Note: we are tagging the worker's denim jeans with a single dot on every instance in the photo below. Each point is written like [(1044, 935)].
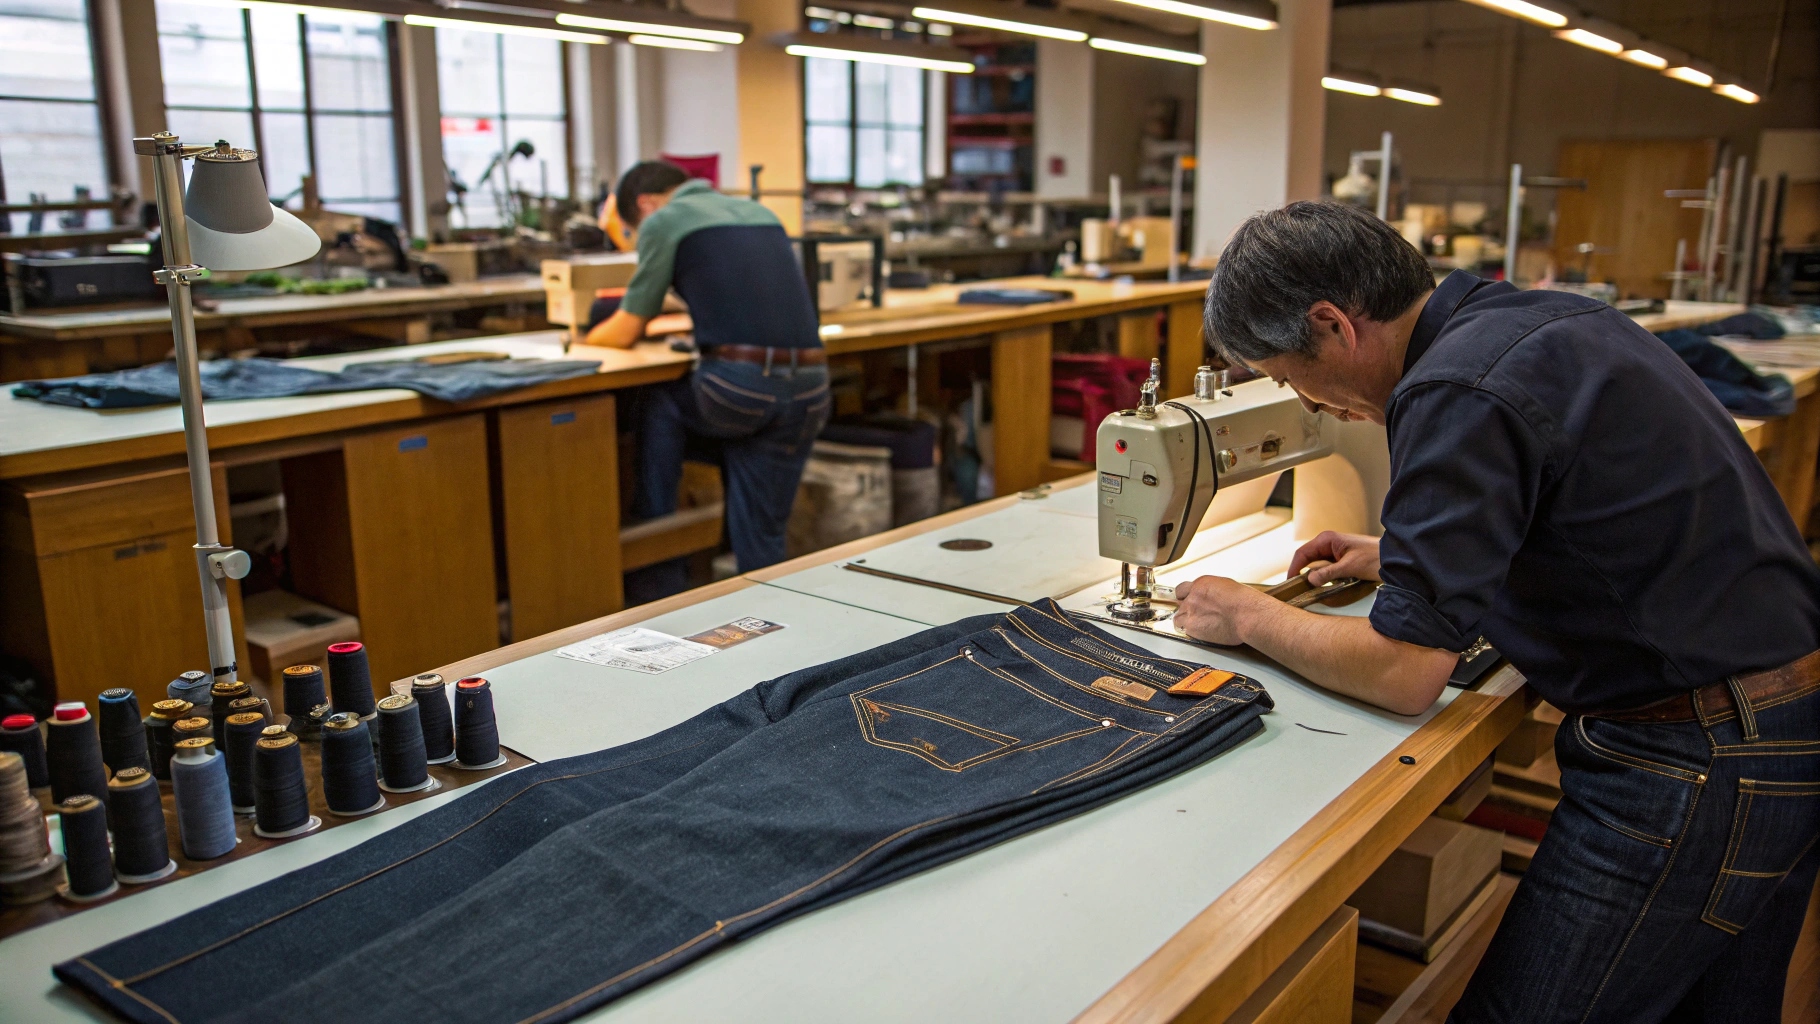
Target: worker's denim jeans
[(564, 885), (1673, 879), (763, 423)]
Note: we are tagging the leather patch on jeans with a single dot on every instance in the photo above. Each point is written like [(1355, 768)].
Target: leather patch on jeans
[(1123, 688), (1201, 682)]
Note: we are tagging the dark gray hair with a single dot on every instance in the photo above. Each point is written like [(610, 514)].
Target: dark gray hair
[(1281, 262)]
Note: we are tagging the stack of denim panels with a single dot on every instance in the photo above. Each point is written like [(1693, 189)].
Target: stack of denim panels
[(562, 886)]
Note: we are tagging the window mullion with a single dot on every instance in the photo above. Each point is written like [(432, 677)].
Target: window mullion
[(252, 84), (309, 102)]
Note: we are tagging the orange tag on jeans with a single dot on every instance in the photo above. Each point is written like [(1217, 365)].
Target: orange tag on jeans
[(1201, 682)]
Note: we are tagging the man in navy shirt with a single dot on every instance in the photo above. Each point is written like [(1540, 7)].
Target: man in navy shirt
[(760, 391), (1564, 487)]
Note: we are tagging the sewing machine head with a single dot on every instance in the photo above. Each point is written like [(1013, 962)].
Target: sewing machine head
[(1161, 464)]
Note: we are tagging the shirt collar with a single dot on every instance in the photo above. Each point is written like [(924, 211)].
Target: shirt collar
[(692, 186), (1439, 309)]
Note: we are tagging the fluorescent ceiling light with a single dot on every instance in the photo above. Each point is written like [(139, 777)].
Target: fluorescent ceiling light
[(1692, 76), (672, 43), (653, 28), (1527, 11), (1338, 84), (265, 5), (1002, 24), (1645, 58), (1736, 92), (504, 30), (1140, 50), (1224, 17), (871, 21), (1592, 41), (869, 57), (1416, 96)]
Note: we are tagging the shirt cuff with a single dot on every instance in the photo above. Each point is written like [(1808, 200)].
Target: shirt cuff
[(637, 304), (1401, 615)]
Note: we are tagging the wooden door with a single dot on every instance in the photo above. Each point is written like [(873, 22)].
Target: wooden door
[(1623, 209)]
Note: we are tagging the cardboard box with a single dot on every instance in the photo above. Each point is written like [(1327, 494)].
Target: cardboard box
[(569, 284), (460, 260), (1534, 736), (283, 629), (1430, 877)]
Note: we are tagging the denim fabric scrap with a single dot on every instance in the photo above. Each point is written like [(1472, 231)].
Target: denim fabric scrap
[(1730, 379), (564, 885), (227, 379)]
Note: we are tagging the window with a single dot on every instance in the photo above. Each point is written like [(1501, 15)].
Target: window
[(864, 123), (311, 92), (50, 124), (499, 91)]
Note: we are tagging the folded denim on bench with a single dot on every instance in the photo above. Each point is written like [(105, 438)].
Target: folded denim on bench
[(564, 885)]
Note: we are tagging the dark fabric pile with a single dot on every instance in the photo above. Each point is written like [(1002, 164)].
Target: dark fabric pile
[(225, 379), (1731, 380)]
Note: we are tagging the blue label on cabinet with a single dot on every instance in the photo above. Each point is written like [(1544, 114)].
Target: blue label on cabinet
[(413, 443), (557, 419)]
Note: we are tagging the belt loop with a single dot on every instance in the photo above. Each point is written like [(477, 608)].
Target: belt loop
[(793, 355), (769, 352), (1747, 718)]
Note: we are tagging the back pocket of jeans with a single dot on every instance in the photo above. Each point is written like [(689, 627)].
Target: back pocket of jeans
[(728, 406), (1773, 826), (942, 741)]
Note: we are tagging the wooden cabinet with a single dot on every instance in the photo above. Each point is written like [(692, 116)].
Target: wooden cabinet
[(100, 584)]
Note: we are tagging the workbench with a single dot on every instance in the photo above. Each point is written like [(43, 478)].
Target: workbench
[(1790, 446), (48, 343), (1215, 895), (402, 511)]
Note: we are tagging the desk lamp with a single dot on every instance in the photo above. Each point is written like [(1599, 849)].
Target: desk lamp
[(230, 224)]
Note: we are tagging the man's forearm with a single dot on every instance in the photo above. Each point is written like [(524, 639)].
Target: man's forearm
[(621, 330), (1345, 654)]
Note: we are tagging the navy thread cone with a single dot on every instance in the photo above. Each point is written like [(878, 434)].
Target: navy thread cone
[(142, 849), (350, 779), (19, 734), (89, 863), (476, 730), (72, 749), (279, 793), (403, 765), (432, 697), (303, 690), (350, 679), (122, 730)]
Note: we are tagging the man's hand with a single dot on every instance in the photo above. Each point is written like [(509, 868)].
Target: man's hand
[(1352, 555), (1212, 609), (621, 330)]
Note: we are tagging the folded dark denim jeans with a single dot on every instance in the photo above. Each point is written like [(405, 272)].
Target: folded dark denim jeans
[(562, 886)]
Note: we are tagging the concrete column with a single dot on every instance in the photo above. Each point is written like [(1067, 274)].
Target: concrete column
[(639, 106), (1263, 119), (420, 108), (137, 23), (1064, 119), (770, 84), (593, 95)]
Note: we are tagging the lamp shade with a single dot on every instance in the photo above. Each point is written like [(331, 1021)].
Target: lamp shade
[(232, 222)]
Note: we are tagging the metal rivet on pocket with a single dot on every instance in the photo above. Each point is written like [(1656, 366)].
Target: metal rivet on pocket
[(1105, 721), (1701, 779), (1168, 718), (968, 651)]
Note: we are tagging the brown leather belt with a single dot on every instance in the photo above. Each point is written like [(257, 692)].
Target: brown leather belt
[(765, 355), (1739, 696)]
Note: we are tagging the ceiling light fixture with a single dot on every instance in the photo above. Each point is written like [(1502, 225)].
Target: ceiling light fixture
[(1736, 92), (1590, 40), (1259, 21), (1692, 76), (1527, 11), (673, 43), (709, 35), (1420, 97), (1340, 83), (1002, 24), (1645, 58), (870, 57), (423, 21), (1140, 50)]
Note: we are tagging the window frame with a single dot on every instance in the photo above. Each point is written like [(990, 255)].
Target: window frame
[(104, 120), (853, 127), (504, 115)]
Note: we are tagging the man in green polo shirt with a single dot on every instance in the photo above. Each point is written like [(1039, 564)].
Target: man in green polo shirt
[(760, 390)]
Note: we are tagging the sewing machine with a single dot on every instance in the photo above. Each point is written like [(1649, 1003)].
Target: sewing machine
[(1161, 465)]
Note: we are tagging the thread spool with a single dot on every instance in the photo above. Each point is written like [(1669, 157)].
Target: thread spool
[(192, 686), (221, 695), (432, 697), (19, 734), (256, 705), (142, 847), (282, 800), (190, 728), (350, 780), (90, 864), (28, 869), (72, 751), (122, 730), (403, 765), (205, 809), (350, 680), (302, 691), (476, 730), (242, 736), (160, 734)]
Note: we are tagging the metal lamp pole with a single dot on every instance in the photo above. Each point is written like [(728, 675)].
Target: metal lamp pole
[(216, 563)]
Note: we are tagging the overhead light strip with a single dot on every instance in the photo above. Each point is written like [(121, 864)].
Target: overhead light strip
[(1140, 50), (673, 43), (1639, 55), (1337, 83), (1736, 92), (268, 5), (1419, 97), (709, 35), (503, 29), (1645, 58), (1590, 40), (871, 57), (1224, 17), (1527, 11), (1002, 24), (1692, 76)]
